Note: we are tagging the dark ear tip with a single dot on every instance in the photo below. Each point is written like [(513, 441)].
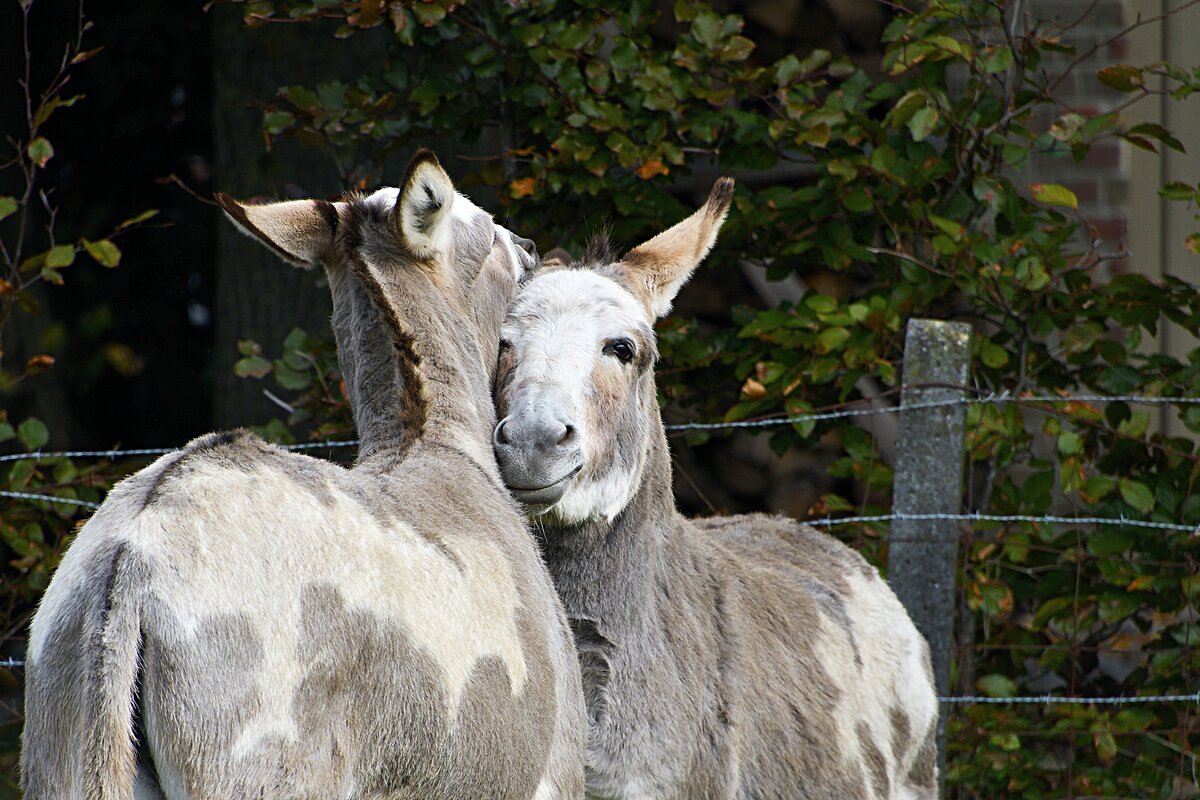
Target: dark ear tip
[(225, 201), (557, 257), (721, 195), (423, 155)]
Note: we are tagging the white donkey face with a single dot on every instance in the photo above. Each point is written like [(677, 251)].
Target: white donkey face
[(573, 391), (575, 385)]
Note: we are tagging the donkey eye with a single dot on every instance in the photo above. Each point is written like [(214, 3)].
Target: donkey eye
[(621, 349)]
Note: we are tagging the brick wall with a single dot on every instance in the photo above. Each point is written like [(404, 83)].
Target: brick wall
[(1101, 181)]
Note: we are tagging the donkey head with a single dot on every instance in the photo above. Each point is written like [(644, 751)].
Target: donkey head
[(421, 278), (575, 386)]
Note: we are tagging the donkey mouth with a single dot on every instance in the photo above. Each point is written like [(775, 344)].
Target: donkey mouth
[(544, 495)]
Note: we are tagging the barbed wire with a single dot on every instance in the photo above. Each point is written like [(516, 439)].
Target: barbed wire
[(1002, 397), (994, 398), (49, 498), (16, 663), (38, 455), (832, 521), (1058, 699), (975, 517)]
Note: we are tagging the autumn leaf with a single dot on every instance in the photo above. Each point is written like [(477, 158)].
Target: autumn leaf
[(753, 390), (651, 168), (522, 187)]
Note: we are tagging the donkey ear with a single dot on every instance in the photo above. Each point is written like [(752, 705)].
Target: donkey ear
[(423, 205), (556, 259), (658, 268), (299, 231)]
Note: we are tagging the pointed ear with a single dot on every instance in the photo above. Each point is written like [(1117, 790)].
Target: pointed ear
[(423, 205), (556, 259), (299, 231), (657, 269)]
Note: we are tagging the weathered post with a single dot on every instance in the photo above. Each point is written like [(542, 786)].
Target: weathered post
[(923, 554)]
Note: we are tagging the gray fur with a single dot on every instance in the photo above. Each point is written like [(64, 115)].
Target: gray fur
[(732, 657), (242, 609)]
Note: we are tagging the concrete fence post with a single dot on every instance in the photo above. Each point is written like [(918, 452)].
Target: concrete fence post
[(923, 554)]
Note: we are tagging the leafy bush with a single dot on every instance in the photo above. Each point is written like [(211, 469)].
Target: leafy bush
[(913, 196)]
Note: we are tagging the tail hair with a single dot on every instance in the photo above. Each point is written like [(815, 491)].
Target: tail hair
[(82, 676)]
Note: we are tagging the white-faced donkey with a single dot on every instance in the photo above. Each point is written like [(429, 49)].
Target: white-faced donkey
[(736, 657), (238, 621)]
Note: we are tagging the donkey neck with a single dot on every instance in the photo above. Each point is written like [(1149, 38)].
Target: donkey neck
[(403, 390), (608, 571)]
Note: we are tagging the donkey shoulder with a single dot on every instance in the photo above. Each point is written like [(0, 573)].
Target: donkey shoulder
[(770, 539), (210, 458)]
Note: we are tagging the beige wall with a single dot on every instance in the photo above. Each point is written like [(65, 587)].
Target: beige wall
[(1157, 228)]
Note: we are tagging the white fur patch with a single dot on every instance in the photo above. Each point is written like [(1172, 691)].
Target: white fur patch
[(892, 675), (456, 617), (558, 327)]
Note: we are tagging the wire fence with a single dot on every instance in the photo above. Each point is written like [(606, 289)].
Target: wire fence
[(14, 663), (828, 522)]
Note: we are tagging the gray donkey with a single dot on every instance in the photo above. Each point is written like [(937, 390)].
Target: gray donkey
[(238, 621), (735, 657)]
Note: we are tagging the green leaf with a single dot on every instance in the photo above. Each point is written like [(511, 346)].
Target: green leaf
[(33, 433), (787, 69), (1122, 77), (8, 206), (1054, 194), (998, 60), (1106, 746), (831, 339), (1070, 443), (996, 685), (428, 14), (1109, 541), (1097, 487), (1154, 131), (922, 123), (275, 122), (104, 252), (40, 151), (252, 367), (291, 379), (1135, 426), (948, 226), (1136, 494), (61, 255), (821, 303), (993, 355), (140, 218), (1177, 190), (6, 432)]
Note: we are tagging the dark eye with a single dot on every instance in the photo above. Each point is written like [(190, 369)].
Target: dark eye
[(621, 349)]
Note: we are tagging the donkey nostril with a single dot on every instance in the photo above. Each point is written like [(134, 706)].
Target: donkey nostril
[(568, 435), (500, 437)]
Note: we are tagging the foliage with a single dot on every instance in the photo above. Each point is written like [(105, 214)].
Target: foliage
[(913, 196), (307, 365), (33, 261)]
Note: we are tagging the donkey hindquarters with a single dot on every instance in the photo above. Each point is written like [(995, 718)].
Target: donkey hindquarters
[(240, 622), (745, 657)]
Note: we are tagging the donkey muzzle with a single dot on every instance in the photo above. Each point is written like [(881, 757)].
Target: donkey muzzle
[(539, 454)]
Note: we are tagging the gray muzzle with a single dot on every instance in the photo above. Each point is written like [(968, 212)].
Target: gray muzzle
[(539, 453)]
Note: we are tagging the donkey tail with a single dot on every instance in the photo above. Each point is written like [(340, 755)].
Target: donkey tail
[(82, 674)]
